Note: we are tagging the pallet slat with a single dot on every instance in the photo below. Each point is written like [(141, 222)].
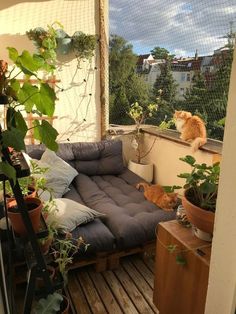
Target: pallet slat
[(142, 285), (125, 303), (105, 293), (77, 296), (134, 294), (147, 274), (91, 293)]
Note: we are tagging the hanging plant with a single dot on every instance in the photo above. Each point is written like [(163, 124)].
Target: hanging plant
[(83, 45), (55, 41)]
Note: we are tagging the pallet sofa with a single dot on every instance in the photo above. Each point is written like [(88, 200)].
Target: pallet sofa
[(107, 186)]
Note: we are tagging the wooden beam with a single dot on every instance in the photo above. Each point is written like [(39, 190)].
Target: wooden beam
[(103, 68)]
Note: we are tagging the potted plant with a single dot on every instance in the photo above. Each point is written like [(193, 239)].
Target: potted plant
[(139, 114), (38, 98), (200, 195), (54, 40), (49, 210), (33, 206), (64, 249)]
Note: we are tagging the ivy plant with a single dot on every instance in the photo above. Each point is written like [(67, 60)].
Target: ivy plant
[(201, 183)]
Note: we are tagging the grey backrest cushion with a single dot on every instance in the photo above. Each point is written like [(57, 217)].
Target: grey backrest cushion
[(96, 158)]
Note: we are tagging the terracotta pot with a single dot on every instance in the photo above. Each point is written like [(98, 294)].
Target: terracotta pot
[(32, 192), (145, 171), (200, 218), (34, 214)]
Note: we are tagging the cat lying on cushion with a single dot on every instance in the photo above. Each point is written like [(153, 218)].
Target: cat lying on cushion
[(192, 128), (157, 195)]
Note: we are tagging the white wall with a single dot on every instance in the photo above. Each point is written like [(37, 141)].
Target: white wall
[(74, 104), (221, 297), (165, 155)]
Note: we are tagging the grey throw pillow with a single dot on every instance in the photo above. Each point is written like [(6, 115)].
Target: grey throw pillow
[(71, 214)]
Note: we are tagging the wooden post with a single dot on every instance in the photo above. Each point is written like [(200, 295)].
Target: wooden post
[(103, 68)]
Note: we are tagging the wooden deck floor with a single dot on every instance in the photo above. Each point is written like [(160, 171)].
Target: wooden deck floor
[(129, 289)]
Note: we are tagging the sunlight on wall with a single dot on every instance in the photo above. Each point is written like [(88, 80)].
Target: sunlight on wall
[(78, 106)]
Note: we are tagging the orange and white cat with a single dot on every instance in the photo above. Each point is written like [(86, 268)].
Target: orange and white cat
[(192, 128), (157, 195)]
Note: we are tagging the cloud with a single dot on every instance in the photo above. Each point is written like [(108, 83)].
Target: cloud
[(177, 25)]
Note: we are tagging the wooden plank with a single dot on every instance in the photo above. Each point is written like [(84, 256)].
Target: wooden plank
[(142, 268), (141, 284), (123, 299), (134, 294), (150, 263), (77, 296), (90, 291), (105, 293)]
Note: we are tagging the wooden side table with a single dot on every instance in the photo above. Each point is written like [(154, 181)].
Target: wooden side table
[(180, 289)]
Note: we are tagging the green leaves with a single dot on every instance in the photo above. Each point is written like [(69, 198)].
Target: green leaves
[(46, 134), (171, 189), (8, 170), (13, 53), (202, 183), (13, 138), (45, 100), (49, 305), (189, 160), (27, 95), (180, 260), (20, 123), (43, 97)]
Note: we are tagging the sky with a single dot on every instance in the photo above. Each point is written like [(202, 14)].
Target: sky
[(177, 25)]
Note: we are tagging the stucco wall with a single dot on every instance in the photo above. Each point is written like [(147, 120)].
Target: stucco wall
[(221, 297), (78, 112), (165, 155)]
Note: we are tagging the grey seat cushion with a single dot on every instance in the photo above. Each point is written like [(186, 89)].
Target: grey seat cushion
[(96, 158), (94, 233), (129, 216), (105, 185)]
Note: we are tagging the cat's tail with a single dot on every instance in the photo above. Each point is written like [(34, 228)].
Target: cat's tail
[(198, 142), (142, 184)]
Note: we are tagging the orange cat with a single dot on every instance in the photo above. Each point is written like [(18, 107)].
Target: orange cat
[(157, 195), (192, 128)]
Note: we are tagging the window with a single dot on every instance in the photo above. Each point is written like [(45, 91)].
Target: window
[(188, 77)]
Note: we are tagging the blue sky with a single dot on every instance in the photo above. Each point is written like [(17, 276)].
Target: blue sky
[(177, 25)]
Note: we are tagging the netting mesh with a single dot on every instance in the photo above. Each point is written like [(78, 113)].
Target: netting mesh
[(176, 54)]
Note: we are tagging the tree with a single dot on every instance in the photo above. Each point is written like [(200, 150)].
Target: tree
[(211, 103), (164, 92), (196, 98), (161, 53), (218, 95), (126, 86)]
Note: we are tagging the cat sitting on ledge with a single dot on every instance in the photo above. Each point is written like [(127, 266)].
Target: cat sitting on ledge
[(192, 129)]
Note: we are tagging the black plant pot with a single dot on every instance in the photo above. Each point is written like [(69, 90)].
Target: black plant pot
[(3, 100)]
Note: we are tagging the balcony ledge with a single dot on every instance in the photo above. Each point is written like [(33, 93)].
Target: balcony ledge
[(212, 146)]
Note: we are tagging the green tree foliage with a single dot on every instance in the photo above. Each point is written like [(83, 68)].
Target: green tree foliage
[(126, 86), (164, 92), (211, 103), (196, 97), (161, 53)]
